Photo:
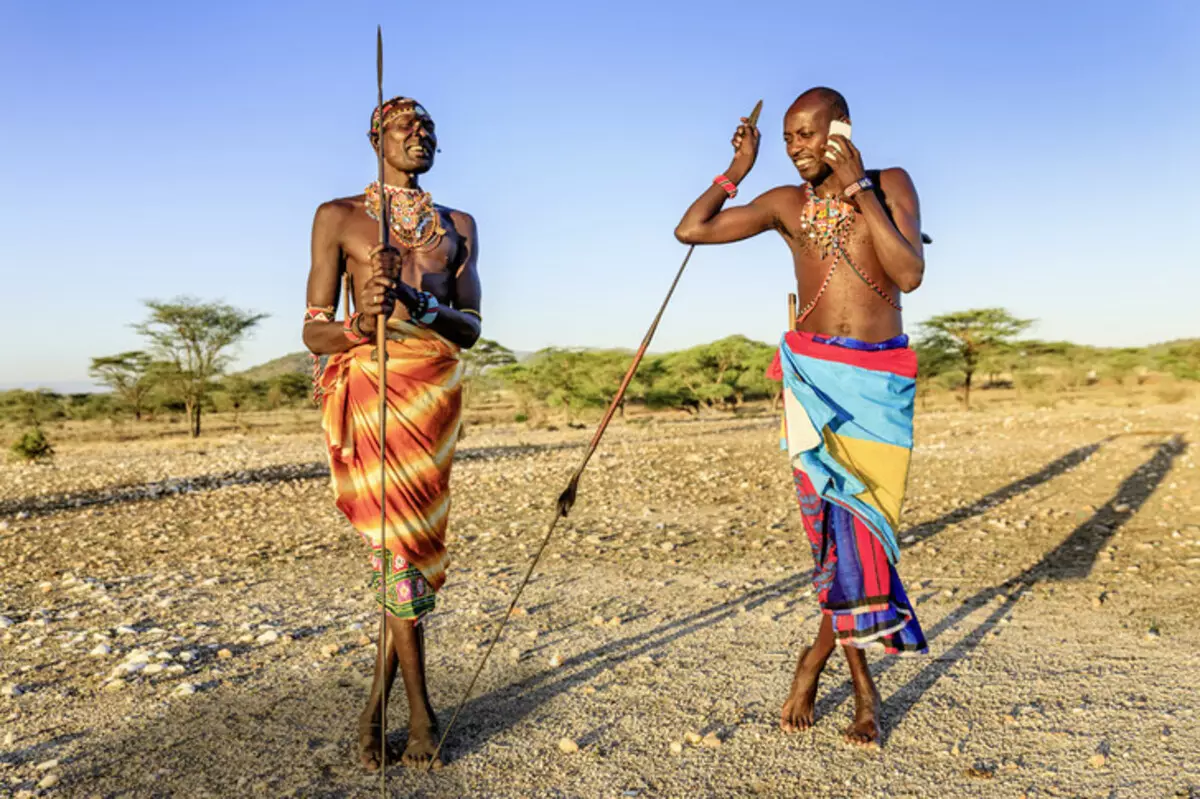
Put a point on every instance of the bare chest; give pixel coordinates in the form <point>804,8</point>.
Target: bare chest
<point>429,267</point>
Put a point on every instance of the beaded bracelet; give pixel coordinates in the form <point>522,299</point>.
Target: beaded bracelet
<point>426,310</point>
<point>350,327</point>
<point>857,186</point>
<point>726,184</point>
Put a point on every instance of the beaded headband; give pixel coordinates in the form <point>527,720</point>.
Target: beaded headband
<point>395,107</point>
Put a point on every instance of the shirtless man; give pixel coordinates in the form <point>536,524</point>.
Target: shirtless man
<point>856,246</point>
<point>428,288</point>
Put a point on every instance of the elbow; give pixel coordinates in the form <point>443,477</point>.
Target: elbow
<point>911,280</point>
<point>686,234</point>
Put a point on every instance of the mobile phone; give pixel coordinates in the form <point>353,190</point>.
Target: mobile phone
<point>840,128</point>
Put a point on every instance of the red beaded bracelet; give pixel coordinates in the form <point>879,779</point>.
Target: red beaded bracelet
<point>351,333</point>
<point>726,184</point>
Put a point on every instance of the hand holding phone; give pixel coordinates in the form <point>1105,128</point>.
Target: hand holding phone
<point>838,128</point>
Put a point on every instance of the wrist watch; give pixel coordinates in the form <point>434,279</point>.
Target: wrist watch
<point>857,186</point>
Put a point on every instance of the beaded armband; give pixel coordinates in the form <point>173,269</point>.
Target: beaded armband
<point>318,313</point>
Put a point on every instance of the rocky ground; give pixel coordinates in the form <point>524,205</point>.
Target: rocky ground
<point>191,618</point>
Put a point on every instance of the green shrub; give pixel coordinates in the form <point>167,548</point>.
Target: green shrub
<point>32,446</point>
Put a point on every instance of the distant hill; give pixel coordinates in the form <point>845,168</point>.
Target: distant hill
<point>296,362</point>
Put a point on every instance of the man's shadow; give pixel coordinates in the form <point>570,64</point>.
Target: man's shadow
<point>498,710</point>
<point>1072,559</point>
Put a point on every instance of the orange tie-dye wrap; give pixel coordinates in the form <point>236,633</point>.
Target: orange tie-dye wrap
<point>424,398</point>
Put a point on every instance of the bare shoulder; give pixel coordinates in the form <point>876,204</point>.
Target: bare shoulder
<point>463,222</point>
<point>897,185</point>
<point>781,196</point>
<point>333,214</point>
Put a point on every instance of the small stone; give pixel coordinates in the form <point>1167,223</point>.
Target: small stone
<point>519,612</point>
<point>666,546</point>
<point>49,781</point>
<point>155,668</point>
<point>694,738</point>
<point>46,587</point>
<point>615,621</point>
<point>363,641</point>
<point>676,748</point>
<point>187,657</point>
<point>114,686</point>
<point>1121,507</point>
<point>12,690</point>
<point>1165,734</point>
<point>123,630</point>
<point>597,621</point>
<point>101,650</point>
<point>556,660</point>
<point>268,637</point>
<point>10,738</point>
<point>47,765</point>
<point>133,667</point>
<point>6,622</point>
<point>224,654</point>
<point>567,746</point>
<point>184,689</point>
<point>711,741</point>
<point>1097,761</point>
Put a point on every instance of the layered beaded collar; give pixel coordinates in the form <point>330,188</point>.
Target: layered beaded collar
<point>412,216</point>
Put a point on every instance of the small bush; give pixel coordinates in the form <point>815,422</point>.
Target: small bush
<point>32,446</point>
<point>521,418</point>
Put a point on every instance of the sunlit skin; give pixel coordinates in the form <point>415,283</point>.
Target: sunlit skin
<point>884,242</point>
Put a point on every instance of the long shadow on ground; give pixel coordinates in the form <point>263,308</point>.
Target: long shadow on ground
<point>162,489</point>
<point>1072,559</point>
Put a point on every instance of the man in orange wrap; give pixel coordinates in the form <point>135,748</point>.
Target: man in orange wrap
<point>427,287</point>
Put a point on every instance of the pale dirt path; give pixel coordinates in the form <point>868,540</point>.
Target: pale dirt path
<point>1042,552</point>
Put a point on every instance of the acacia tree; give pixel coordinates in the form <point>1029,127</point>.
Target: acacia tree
<point>128,374</point>
<point>971,336</point>
<point>191,340</point>
<point>484,356</point>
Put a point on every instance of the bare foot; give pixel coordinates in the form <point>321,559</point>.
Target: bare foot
<point>797,714</point>
<point>422,743</point>
<point>368,744</point>
<point>864,731</point>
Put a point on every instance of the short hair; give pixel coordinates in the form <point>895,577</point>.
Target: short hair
<point>833,100</point>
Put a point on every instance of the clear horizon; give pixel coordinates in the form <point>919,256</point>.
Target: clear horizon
<point>160,151</point>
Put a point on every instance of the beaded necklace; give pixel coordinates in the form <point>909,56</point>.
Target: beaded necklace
<point>412,215</point>
<point>824,223</point>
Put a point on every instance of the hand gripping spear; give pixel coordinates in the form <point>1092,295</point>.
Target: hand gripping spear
<point>381,354</point>
<point>567,499</point>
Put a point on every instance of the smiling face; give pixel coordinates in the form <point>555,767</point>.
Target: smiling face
<point>409,138</point>
<point>806,131</point>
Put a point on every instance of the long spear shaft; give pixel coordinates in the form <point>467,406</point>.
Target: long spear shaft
<point>381,354</point>
<point>567,499</point>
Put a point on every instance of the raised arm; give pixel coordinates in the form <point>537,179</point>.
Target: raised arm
<point>706,223</point>
<point>896,229</point>
<point>896,236</point>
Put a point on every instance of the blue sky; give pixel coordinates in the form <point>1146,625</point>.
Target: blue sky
<point>157,149</point>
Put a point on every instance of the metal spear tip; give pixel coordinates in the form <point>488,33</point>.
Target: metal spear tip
<point>567,498</point>
<point>754,114</point>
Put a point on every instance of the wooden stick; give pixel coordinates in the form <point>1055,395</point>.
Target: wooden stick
<point>381,354</point>
<point>792,303</point>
